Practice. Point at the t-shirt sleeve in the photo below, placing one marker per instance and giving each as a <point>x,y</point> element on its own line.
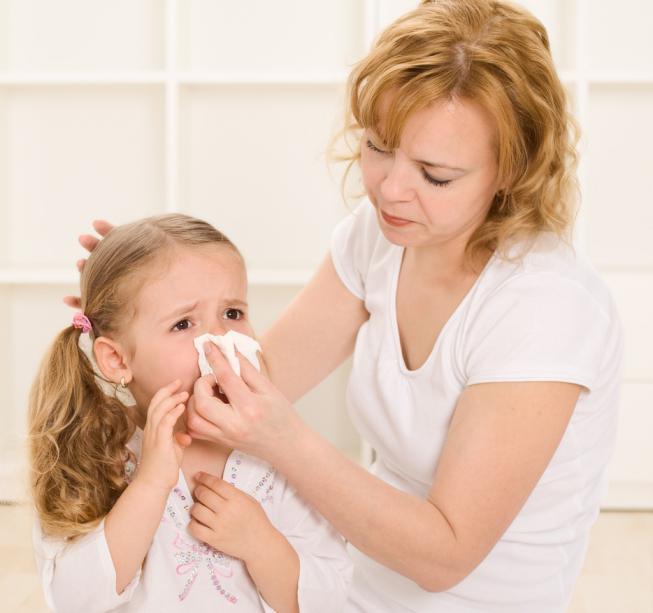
<point>538,327</point>
<point>352,246</point>
<point>79,576</point>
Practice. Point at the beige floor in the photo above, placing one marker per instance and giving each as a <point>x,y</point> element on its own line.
<point>617,578</point>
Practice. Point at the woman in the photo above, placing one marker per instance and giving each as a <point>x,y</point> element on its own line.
<point>486,351</point>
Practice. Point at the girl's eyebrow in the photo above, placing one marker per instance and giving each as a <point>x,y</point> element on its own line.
<point>190,307</point>
<point>180,311</point>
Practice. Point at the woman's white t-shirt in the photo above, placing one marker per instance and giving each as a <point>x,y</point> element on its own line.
<point>181,573</point>
<point>546,317</point>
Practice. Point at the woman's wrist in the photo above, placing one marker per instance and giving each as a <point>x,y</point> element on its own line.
<point>284,449</point>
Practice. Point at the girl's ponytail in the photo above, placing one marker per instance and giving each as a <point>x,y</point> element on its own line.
<point>77,437</point>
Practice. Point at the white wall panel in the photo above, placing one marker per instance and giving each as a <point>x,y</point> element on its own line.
<point>619,198</point>
<point>632,292</point>
<point>253,163</point>
<point>78,35</point>
<point>620,35</point>
<point>76,153</point>
<point>261,35</point>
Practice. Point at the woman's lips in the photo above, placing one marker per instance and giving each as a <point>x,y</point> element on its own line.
<point>394,221</point>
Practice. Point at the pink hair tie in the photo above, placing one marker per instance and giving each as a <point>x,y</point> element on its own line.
<point>82,322</point>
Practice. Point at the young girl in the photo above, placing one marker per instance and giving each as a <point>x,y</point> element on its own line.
<point>117,525</point>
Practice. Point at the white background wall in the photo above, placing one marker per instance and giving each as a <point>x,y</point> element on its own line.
<point>224,110</point>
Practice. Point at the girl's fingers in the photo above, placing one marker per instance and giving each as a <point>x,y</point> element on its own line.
<point>219,486</point>
<point>208,497</point>
<point>163,393</point>
<point>157,412</point>
<point>169,420</point>
<point>202,514</point>
<point>200,531</point>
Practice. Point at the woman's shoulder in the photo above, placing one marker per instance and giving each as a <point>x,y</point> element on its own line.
<point>546,265</point>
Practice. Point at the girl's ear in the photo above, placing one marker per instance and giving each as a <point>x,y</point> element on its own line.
<point>111,360</point>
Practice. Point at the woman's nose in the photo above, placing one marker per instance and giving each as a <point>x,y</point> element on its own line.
<point>396,185</point>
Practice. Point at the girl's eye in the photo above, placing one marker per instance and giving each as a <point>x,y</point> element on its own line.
<point>183,324</point>
<point>233,314</point>
<point>373,147</point>
<point>433,180</point>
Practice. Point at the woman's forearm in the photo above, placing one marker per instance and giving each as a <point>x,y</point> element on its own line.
<point>275,571</point>
<point>399,530</point>
<point>130,527</point>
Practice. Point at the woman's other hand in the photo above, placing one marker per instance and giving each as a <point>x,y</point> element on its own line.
<point>89,242</point>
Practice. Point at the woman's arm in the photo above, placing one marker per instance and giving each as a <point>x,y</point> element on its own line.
<point>501,439</point>
<point>314,334</point>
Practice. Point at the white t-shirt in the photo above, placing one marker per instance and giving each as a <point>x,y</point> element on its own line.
<point>547,317</point>
<point>181,573</point>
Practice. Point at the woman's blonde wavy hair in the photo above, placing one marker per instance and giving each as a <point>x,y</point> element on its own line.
<point>77,433</point>
<point>497,55</point>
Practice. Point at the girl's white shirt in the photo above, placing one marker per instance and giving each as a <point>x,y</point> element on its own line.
<point>546,317</point>
<point>181,573</point>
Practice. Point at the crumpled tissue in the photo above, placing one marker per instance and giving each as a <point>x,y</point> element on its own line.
<point>228,343</point>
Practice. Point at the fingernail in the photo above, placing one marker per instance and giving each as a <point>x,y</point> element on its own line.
<point>207,348</point>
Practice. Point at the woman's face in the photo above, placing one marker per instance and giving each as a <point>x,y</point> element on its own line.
<point>202,289</point>
<point>438,185</point>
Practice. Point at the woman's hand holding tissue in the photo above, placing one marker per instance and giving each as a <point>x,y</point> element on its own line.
<point>258,419</point>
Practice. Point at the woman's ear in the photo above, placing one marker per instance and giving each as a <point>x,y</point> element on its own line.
<point>111,360</point>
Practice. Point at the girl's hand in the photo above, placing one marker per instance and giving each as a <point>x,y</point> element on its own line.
<point>228,519</point>
<point>163,448</point>
<point>258,419</point>
<point>89,242</point>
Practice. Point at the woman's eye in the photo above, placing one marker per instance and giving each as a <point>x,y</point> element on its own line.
<point>233,314</point>
<point>373,147</point>
<point>184,324</point>
<point>433,180</point>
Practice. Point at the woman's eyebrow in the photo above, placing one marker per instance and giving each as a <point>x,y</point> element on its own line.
<point>440,165</point>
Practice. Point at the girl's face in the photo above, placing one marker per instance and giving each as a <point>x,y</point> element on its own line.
<point>438,185</point>
<point>203,289</point>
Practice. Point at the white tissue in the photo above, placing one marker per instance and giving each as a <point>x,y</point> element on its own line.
<point>228,343</point>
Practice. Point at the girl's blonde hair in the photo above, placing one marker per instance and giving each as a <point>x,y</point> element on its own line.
<point>497,55</point>
<point>77,433</point>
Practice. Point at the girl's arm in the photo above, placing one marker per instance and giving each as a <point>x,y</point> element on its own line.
<point>130,527</point>
<point>501,438</point>
<point>275,571</point>
<point>314,334</point>
<point>132,522</point>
